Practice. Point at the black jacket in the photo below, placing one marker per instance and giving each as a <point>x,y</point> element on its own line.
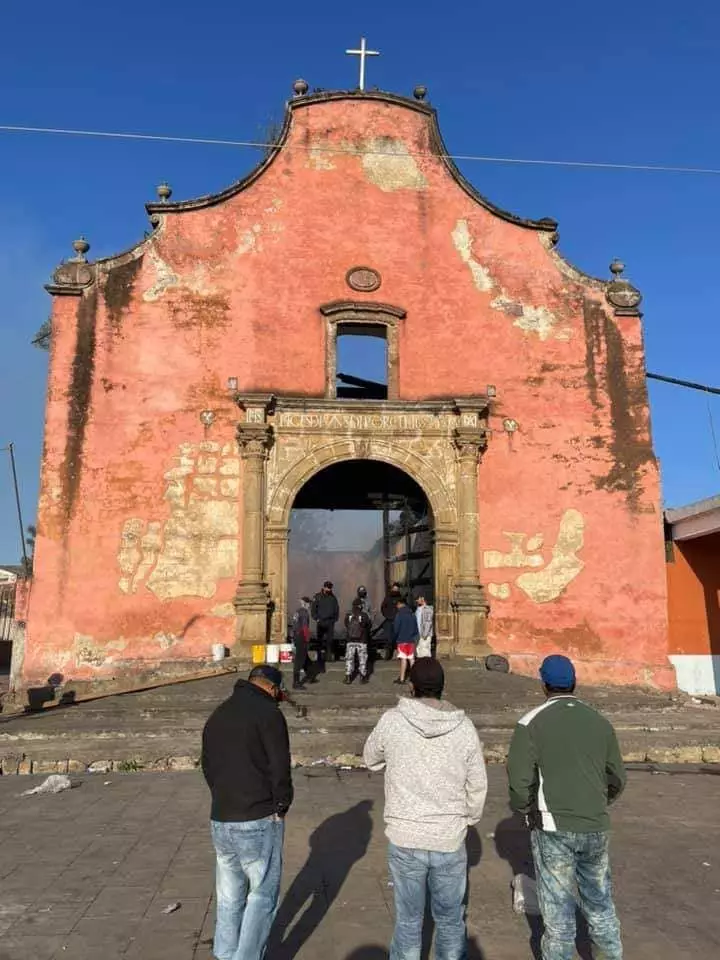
<point>365,626</point>
<point>388,608</point>
<point>325,607</point>
<point>246,757</point>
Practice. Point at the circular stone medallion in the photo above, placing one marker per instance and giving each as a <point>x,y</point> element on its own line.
<point>363,279</point>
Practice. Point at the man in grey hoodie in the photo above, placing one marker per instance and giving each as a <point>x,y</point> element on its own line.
<point>435,787</point>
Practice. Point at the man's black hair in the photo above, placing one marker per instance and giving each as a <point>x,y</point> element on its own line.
<point>427,678</point>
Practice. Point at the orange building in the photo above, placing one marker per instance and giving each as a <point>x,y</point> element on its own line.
<point>194,397</point>
<point>693,574</point>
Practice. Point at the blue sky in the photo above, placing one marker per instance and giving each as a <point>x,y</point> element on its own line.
<point>558,81</point>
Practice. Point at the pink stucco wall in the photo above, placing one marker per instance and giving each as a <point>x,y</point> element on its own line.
<point>232,289</point>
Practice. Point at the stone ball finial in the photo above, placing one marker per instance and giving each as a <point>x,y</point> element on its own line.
<point>164,192</point>
<point>300,87</point>
<point>81,247</point>
<point>420,92</point>
<point>620,293</point>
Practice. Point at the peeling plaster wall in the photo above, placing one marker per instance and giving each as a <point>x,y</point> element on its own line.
<point>139,542</point>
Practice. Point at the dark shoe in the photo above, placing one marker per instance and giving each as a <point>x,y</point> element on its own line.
<point>312,679</point>
<point>348,680</point>
<point>364,679</point>
<point>298,685</point>
<point>398,681</point>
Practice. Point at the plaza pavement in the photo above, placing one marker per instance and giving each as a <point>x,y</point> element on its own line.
<point>87,873</point>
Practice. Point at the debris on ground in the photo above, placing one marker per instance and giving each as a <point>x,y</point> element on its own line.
<point>525,899</point>
<point>172,907</point>
<point>497,664</point>
<point>55,783</point>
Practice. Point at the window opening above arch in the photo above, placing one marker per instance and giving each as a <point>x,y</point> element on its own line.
<point>361,364</point>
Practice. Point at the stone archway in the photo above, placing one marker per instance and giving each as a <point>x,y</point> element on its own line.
<point>445,536</point>
<point>285,441</point>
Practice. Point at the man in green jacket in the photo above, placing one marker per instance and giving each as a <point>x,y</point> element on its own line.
<point>564,769</point>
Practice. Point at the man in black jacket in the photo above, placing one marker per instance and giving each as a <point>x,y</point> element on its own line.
<point>325,610</point>
<point>246,763</point>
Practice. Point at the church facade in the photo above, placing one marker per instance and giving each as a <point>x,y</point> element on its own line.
<point>193,394</point>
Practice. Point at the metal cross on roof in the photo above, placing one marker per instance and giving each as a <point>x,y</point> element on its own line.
<point>362,53</point>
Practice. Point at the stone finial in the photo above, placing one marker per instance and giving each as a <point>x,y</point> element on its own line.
<point>420,92</point>
<point>620,293</point>
<point>164,192</point>
<point>73,275</point>
<point>81,247</point>
<point>300,87</point>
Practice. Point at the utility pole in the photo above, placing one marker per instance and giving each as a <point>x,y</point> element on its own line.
<point>11,450</point>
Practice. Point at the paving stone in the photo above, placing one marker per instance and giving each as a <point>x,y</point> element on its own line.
<point>30,947</point>
<point>53,919</point>
<point>121,901</point>
<point>98,938</point>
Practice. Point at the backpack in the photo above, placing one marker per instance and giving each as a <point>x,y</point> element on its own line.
<point>356,628</point>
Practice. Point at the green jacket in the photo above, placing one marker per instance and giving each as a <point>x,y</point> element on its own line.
<point>565,767</point>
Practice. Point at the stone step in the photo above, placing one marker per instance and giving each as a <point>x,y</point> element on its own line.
<point>161,727</point>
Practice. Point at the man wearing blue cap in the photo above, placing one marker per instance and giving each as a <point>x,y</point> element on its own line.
<point>564,769</point>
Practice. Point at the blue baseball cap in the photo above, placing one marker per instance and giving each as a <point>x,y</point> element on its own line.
<point>557,671</point>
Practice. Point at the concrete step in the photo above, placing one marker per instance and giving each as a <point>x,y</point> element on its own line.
<point>161,728</point>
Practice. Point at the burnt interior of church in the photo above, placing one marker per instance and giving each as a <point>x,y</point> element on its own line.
<point>361,522</point>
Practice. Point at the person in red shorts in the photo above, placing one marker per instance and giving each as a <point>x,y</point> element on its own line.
<point>405,635</point>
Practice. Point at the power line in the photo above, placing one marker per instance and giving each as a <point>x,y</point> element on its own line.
<point>317,148</point>
<point>703,388</point>
<point>690,384</point>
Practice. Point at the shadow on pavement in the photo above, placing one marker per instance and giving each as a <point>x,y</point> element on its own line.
<point>512,842</point>
<point>335,846</point>
<point>368,953</point>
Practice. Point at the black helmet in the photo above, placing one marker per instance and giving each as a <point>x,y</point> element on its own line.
<point>362,591</point>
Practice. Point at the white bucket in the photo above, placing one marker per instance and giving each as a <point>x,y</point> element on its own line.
<point>218,651</point>
<point>286,653</point>
<point>272,653</point>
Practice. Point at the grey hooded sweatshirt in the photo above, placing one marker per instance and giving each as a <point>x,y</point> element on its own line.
<point>435,779</point>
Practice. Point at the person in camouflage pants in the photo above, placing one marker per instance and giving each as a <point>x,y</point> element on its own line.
<point>357,626</point>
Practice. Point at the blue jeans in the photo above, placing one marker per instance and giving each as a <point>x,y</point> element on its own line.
<point>413,873</point>
<point>248,870</point>
<point>573,870</point>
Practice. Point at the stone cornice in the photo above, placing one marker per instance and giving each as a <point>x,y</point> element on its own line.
<point>361,306</point>
<point>277,402</point>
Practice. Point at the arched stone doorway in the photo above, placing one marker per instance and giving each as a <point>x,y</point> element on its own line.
<point>361,521</point>
<point>286,441</point>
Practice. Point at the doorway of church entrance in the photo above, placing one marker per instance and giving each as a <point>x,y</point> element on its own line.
<point>361,523</point>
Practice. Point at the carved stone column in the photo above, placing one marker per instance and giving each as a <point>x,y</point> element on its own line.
<point>277,537</point>
<point>445,543</point>
<point>252,603</point>
<point>469,601</point>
